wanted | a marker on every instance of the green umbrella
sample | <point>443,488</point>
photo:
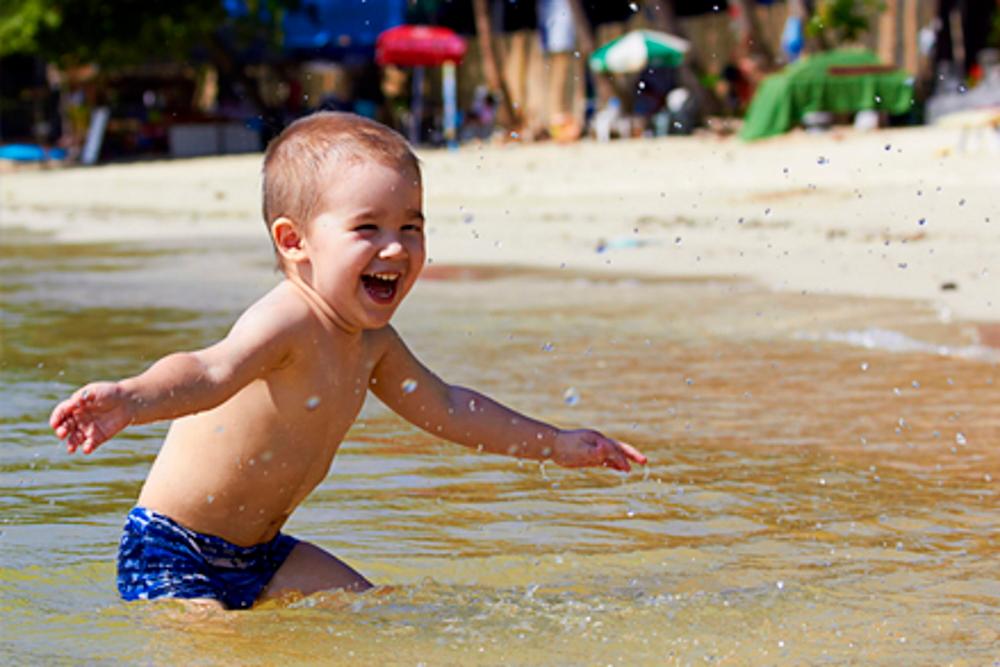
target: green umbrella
<point>637,50</point>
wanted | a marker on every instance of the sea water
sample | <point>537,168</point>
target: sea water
<point>822,485</point>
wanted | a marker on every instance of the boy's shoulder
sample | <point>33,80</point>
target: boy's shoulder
<point>280,312</point>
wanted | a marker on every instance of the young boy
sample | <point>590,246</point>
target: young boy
<point>258,416</point>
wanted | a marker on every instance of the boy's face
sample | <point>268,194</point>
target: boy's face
<point>365,245</point>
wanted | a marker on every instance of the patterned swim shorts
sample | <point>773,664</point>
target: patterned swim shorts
<point>159,558</point>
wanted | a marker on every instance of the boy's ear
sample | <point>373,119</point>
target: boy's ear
<point>288,240</point>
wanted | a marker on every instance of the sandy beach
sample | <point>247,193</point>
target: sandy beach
<point>893,213</point>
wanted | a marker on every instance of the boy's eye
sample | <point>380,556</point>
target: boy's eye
<point>367,227</point>
<point>413,228</point>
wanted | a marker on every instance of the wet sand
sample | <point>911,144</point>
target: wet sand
<point>893,213</point>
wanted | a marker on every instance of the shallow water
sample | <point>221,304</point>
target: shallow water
<point>822,485</point>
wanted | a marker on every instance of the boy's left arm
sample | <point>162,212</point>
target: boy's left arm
<point>472,419</point>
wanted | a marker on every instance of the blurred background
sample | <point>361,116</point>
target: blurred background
<point>105,80</point>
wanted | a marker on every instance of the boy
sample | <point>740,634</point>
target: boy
<point>259,415</point>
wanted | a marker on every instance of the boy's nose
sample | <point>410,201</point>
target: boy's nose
<point>392,249</point>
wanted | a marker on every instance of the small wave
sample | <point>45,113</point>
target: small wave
<point>894,341</point>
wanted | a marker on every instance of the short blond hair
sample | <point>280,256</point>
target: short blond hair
<point>309,150</point>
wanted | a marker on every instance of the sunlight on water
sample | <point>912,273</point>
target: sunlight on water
<point>822,483</point>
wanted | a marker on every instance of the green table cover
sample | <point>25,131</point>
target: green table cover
<point>841,81</point>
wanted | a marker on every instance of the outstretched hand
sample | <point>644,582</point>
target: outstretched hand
<point>582,448</point>
<point>91,416</point>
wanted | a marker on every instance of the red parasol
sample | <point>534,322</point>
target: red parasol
<point>419,45</point>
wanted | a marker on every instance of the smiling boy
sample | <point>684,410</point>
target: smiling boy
<point>258,416</point>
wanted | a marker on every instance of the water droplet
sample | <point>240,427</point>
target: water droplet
<point>633,6</point>
<point>642,85</point>
<point>960,439</point>
<point>409,385</point>
<point>689,381</point>
<point>210,499</point>
<point>767,211</point>
<point>312,402</point>
<point>961,202</point>
<point>266,455</point>
<point>822,160</point>
<point>514,135</point>
<point>468,218</point>
<point>864,365</point>
<point>677,240</point>
<point>922,221</point>
<point>888,147</point>
<point>878,99</point>
<point>571,396</point>
<point>780,585</point>
<point>548,347</point>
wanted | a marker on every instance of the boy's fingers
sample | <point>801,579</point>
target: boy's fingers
<point>74,441</point>
<point>633,453</point>
<point>614,456</point>
<point>59,413</point>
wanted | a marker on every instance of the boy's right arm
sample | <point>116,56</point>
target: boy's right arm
<point>178,384</point>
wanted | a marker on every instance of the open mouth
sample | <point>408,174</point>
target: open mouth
<point>381,287</point>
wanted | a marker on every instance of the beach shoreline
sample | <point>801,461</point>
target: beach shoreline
<point>895,214</point>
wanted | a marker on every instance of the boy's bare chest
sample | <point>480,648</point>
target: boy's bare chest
<point>323,386</point>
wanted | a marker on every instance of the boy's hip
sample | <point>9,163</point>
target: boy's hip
<point>160,558</point>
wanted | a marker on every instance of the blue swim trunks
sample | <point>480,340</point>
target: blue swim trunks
<point>159,558</point>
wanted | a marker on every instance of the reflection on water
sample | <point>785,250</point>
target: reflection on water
<point>811,497</point>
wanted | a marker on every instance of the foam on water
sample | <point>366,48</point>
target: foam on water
<point>893,341</point>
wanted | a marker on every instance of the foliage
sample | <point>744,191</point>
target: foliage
<point>842,21</point>
<point>21,22</point>
<point>126,32</point>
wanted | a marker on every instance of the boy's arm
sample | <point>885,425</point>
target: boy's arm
<point>178,384</point>
<point>472,419</point>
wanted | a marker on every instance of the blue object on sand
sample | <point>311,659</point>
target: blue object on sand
<point>30,153</point>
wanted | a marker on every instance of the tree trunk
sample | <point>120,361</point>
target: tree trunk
<point>228,63</point>
<point>753,35</point>
<point>506,116</point>
<point>887,32</point>
<point>603,84</point>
